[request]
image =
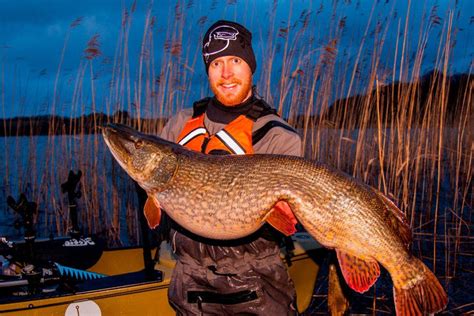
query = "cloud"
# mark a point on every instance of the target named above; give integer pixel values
(35, 31)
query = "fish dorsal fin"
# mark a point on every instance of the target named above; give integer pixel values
(152, 211)
(397, 219)
(360, 274)
(281, 218)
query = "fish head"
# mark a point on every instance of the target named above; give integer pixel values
(149, 160)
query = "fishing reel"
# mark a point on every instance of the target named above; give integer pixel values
(21, 277)
(28, 211)
(18, 275)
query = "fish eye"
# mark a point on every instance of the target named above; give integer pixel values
(139, 144)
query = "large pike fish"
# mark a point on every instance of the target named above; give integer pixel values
(228, 197)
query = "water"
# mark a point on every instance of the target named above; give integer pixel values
(36, 166)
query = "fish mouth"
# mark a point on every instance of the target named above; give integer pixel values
(120, 139)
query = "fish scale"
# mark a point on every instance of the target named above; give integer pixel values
(229, 197)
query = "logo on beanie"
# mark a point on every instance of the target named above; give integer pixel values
(225, 33)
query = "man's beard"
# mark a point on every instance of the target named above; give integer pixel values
(231, 99)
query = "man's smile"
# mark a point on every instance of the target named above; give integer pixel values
(228, 85)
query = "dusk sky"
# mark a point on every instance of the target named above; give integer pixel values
(34, 33)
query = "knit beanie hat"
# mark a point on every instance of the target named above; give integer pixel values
(226, 38)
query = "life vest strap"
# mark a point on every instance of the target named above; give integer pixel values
(193, 134)
(259, 108)
(230, 142)
(200, 106)
(262, 131)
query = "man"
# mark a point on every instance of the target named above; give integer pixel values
(244, 276)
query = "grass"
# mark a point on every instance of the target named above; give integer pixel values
(403, 138)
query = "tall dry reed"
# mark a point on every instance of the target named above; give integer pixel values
(371, 113)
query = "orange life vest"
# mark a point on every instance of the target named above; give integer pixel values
(235, 138)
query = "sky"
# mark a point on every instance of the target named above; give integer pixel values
(44, 68)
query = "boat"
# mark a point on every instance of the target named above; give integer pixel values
(118, 283)
(77, 275)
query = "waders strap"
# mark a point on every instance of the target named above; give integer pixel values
(219, 298)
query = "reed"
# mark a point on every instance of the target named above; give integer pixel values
(371, 113)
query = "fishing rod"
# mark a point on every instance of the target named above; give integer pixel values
(37, 263)
(72, 188)
(27, 211)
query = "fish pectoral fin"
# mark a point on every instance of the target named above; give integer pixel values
(281, 218)
(152, 211)
(360, 274)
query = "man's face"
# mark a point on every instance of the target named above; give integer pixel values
(230, 78)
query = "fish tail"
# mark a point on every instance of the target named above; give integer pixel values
(421, 294)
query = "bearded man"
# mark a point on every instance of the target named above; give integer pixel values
(245, 276)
